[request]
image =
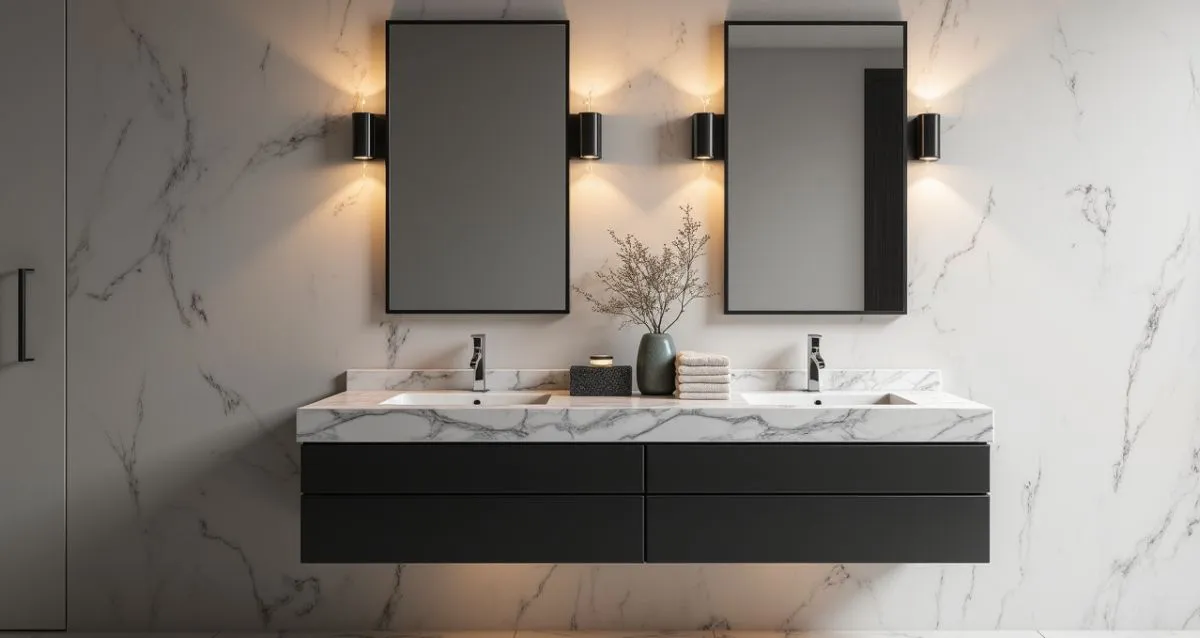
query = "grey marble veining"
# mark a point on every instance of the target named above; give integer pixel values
(683, 421)
(359, 414)
(225, 261)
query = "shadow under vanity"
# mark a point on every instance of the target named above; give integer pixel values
(407, 466)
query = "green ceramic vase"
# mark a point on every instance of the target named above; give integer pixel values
(656, 364)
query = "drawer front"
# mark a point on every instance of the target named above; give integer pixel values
(471, 529)
(471, 468)
(817, 529)
(809, 468)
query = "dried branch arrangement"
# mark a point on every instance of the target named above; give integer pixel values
(653, 290)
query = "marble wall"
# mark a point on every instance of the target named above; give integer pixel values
(226, 267)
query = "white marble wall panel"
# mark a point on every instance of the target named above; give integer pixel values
(226, 266)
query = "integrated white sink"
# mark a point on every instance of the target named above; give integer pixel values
(460, 398)
(423, 406)
(803, 399)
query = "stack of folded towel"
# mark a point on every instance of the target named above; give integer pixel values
(699, 375)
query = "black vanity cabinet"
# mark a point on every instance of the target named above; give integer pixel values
(653, 503)
(472, 503)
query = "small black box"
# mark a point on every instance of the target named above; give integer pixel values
(601, 381)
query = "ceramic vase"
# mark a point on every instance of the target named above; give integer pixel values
(656, 364)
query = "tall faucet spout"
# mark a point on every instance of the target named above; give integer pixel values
(816, 363)
(479, 362)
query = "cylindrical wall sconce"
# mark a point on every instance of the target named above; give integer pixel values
(585, 136)
(370, 136)
(708, 136)
(927, 134)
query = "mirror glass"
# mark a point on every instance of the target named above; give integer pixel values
(477, 207)
(815, 168)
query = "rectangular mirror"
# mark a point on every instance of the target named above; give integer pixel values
(477, 206)
(815, 168)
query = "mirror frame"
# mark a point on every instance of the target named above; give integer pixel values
(882, 278)
(389, 307)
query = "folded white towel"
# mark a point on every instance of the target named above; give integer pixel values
(690, 358)
(702, 370)
(703, 378)
(707, 396)
(721, 388)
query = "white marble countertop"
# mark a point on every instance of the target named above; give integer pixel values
(360, 416)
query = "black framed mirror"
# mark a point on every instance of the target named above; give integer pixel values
(477, 170)
(815, 167)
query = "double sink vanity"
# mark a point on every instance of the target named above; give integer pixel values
(419, 466)
(408, 467)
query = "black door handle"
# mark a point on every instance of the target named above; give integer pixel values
(22, 314)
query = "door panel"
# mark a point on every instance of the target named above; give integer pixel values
(32, 394)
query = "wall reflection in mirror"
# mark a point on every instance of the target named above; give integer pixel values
(815, 168)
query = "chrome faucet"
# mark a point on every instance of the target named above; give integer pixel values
(815, 363)
(479, 361)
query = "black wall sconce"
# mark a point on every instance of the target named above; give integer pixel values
(927, 137)
(370, 136)
(708, 136)
(583, 136)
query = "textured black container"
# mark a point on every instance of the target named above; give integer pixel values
(601, 381)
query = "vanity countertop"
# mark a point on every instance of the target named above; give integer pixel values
(360, 416)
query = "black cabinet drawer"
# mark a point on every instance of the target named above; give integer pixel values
(471, 468)
(471, 529)
(816, 468)
(817, 529)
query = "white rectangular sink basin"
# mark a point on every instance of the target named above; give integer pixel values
(464, 398)
(819, 399)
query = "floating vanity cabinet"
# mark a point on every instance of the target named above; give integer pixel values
(472, 503)
(808, 528)
(749, 502)
(816, 503)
